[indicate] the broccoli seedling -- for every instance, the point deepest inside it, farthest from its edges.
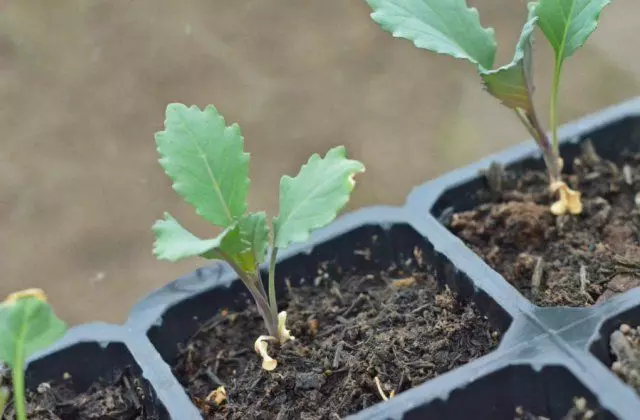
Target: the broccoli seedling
(451, 27)
(27, 324)
(205, 159)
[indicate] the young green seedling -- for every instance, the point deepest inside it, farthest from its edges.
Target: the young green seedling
(205, 159)
(4, 397)
(27, 324)
(451, 27)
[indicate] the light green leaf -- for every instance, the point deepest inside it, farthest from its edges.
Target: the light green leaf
(206, 162)
(442, 26)
(4, 398)
(568, 23)
(174, 242)
(27, 325)
(314, 197)
(254, 232)
(513, 84)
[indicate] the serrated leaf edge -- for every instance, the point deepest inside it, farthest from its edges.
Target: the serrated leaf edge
(304, 235)
(473, 11)
(175, 185)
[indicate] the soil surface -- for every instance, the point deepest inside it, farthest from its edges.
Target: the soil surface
(579, 411)
(567, 260)
(127, 397)
(625, 346)
(395, 325)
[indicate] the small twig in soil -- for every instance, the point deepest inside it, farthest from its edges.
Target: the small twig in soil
(331, 330)
(336, 356)
(589, 154)
(356, 304)
(627, 172)
(494, 175)
(255, 383)
(216, 364)
(335, 290)
(584, 282)
(209, 374)
(132, 394)
(381, 391)
(536, 278)
(400, 383)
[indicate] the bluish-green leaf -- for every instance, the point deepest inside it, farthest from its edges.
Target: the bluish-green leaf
(512, 84)
(206, 162)
(442, 26)
(27, 325)
(314, 197)
(568, 23)
(174, 242)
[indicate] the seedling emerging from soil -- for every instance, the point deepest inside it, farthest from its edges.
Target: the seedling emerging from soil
(209, 169)
(451, 27)
(27, 324)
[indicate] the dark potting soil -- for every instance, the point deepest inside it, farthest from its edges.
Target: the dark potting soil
(579, 411)
(625, 346)
(396, 325)
(567, 260)
(127, 397)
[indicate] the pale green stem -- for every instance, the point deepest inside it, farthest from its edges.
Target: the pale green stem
(532, 125)
(553, 107)
(256, 288)
(17, 375)
(272, 280)
(4, 397)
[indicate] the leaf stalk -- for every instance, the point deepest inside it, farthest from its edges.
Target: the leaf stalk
(272, 280)
(17, 376)
(553, 106)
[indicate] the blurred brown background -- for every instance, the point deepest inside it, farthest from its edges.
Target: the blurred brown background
(84, 84)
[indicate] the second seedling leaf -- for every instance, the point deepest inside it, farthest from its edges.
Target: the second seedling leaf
(314, 197)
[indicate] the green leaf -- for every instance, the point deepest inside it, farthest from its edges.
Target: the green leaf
(174, 242)
(27, 325)
(254, 232)
(568, 23)
(513, 84)
(4, 398)
(314, 197)
(442, 26)
(206, 162)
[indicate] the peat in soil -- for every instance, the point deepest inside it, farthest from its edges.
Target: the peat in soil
(625, 347)
(126, 397)
(396, 325)
(560, 261)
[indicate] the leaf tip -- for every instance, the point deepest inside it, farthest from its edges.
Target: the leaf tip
(27, 293)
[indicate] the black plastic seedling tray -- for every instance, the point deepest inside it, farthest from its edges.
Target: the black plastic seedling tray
(547, 356)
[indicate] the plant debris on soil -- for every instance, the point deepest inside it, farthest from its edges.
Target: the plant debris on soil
(579, 411)
(397, 326)
(566, 260)
(625, 346)
(127, 397)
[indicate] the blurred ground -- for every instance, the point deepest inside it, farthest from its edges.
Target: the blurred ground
(84, 84)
